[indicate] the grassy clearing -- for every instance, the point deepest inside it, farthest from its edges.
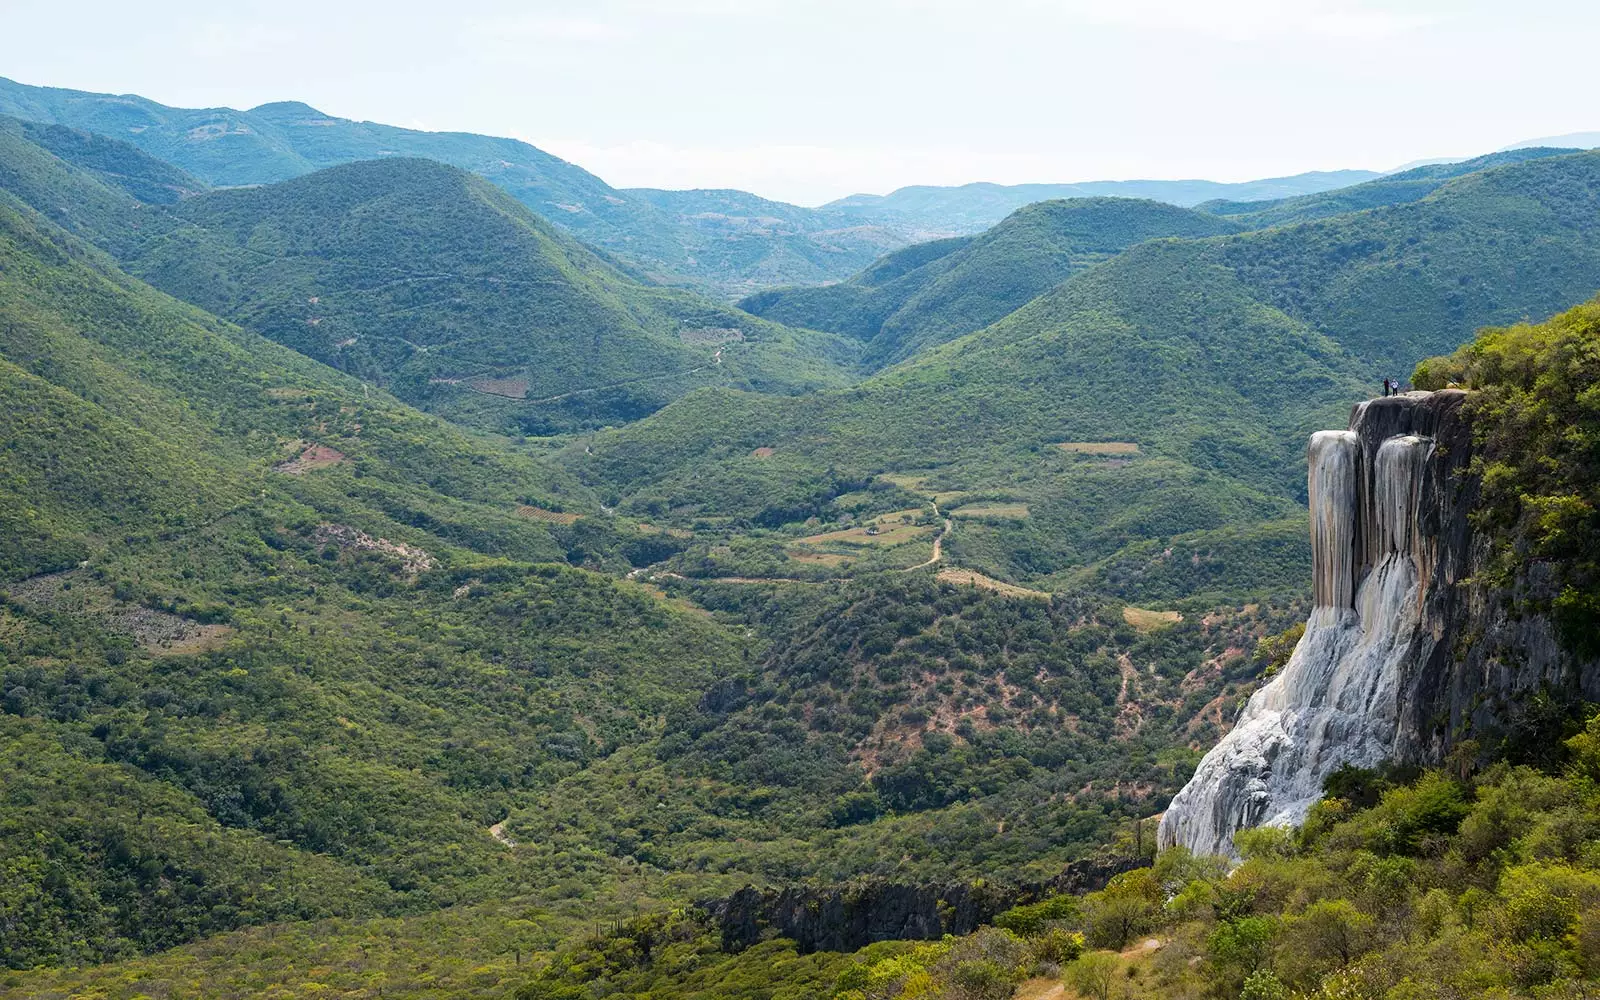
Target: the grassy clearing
(1148, 621)
(547, 516)
(1099, 447)
(976, 579)
(881, 532)
(905, 480)
(1014, 511)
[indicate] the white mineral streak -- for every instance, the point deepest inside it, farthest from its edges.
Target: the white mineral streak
(1334, 703)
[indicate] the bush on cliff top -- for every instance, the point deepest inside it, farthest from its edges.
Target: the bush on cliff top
(1537, 407)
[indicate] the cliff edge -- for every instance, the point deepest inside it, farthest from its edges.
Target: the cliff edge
(1404, 655)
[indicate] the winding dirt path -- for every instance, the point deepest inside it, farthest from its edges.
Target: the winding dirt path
(938, 543)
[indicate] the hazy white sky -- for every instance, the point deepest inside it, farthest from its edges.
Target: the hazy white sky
(807, 101)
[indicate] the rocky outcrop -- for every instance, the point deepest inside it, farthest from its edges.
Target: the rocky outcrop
(1404, 654)
(852, 916)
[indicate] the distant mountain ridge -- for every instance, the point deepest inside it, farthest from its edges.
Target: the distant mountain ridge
(982, 204)
(1209, 359)
(426, 280)
(730, 243)
(282, 140)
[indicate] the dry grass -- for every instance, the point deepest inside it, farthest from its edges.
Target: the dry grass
(1148, 621)
(1099, 447)
(976, 579)
(763, 452)
(1042, 989)
(882, 532)
(548, 516)
(1013, 511)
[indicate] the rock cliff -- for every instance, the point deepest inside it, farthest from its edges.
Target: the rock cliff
(1403, 655)
(848, 917)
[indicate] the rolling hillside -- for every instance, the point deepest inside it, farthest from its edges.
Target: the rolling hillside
(280, 141)
(433, 283)
(1215, 357)
(931, 293)
(265, 626)
(973, 207)
(1393, 189)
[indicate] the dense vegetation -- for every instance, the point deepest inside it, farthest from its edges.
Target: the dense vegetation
(1537, 418)
(273, 608)
(1392, 189)
(431, 283)
(731, 248)
(972, 207)
(1481, 884)
(306, 692)
(931, 293)
(1215, 357)
(912, 728)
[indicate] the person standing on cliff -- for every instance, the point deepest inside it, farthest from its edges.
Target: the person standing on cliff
(1387, 385)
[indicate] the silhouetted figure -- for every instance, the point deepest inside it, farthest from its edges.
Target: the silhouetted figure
(1387, 385)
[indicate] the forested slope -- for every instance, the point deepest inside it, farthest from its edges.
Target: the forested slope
(433, 284)
(264, 625)
(279, 141)
(1219, 355)
(923, 296)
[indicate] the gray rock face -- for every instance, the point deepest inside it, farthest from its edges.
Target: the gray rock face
(1402, 655)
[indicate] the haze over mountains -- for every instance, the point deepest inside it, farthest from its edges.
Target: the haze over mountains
(410, 586)
(725, 242)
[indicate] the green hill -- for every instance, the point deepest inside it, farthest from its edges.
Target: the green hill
(932, 293)
(283, 140)
(1215, 357)
(263, 625)
(1392, 189)
(972, 207)
(434, 284)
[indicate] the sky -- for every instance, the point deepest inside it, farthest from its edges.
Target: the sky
(813, 100)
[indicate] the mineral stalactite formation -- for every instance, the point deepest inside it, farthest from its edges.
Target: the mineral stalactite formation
(1374, 671)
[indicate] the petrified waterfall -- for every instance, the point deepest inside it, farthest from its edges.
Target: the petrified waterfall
(1337, 701)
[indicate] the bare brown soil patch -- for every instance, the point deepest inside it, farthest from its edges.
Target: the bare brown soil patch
(763, 452)
(162, 633)
(412, 559)
(314, 457)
